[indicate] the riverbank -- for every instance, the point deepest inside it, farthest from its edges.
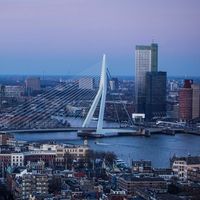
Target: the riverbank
(157, 148)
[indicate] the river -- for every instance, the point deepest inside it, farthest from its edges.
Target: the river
(157, 148)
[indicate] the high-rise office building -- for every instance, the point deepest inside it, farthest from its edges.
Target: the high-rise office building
(189, 101)
(155, 94)
(114, 84)
(33, 84)
(195, 101)
(146, 60)
(185, 101)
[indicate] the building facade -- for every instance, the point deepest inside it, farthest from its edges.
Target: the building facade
(146, 60)
(4, 139)
(193, 174)
(17, 159)
(14, 91)
(114, 84)
(5, 161)
(33, 84)
(131, 183)
(142, 166)
(185, 101)
(195, 101)
(155, 94)
(182, 165)
(47, 156)
(34, 184)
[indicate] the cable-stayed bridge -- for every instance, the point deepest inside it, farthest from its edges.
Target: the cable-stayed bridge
(74, 100)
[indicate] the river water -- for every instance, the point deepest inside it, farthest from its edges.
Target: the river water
(157, 148)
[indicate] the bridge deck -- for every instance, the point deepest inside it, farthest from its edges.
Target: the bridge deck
(68, 129)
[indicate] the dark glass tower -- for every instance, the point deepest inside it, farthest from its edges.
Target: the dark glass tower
(146, 60)
(155, 105)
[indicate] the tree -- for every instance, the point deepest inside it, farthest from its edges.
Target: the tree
(55, 185)
(110, 157)
(91, 156)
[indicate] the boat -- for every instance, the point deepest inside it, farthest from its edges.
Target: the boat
(94, 119)
(120, 163)
(100, 143)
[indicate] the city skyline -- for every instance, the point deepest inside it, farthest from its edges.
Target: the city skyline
(66, 36)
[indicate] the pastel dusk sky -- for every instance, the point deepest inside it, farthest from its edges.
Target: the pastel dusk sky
(66, 36)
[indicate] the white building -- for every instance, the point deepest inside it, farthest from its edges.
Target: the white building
(114, 84)
(138, 117)
(181, 165)
(77, 151)
(48, 147)
(17, 159)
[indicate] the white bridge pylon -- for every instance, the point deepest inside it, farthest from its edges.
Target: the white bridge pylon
(101, 95)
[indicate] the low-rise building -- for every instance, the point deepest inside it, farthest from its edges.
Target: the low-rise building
(115, 195)
(47, 156)
(167, 174)
(36, 167)
(141, 166)
(194, 174)
(148, 194)
(49, 147)
(77, 151)
(181, 165)
(14, 91)
(130, 183)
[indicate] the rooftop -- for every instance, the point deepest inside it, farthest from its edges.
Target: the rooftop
(191, 160)
(133, 178)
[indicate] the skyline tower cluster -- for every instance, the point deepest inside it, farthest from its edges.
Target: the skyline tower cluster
(150, 84)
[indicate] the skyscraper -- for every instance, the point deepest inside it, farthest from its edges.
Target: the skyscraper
(146, 60)
(33, 84)
(189, 101)
(155, 94)
(195, 101)
(185, 101)
(114, 84)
